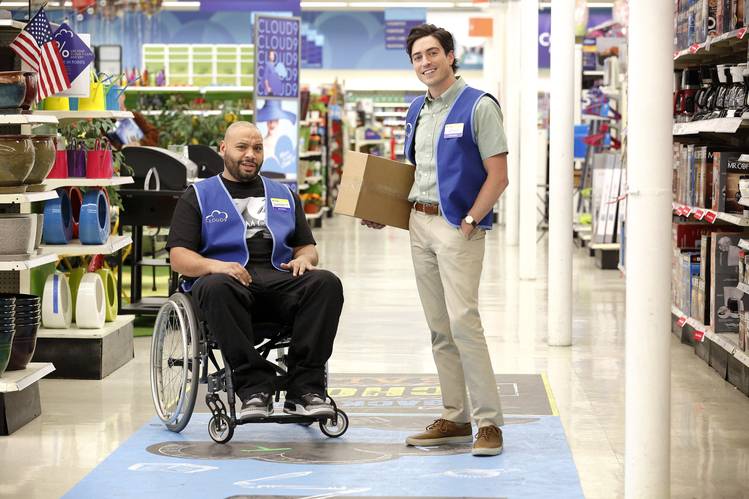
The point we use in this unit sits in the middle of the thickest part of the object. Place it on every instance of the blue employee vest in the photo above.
(460, 170)
(224, 229)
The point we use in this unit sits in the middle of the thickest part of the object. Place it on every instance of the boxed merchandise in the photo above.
(695, 299)
(726, 300)
(705, 264)
(690, 267)
(743, 330)
(376, 189)
(727, 173)
(703, 307)
(686, 235)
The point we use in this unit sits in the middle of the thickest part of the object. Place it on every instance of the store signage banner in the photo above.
(75, 53)
(277, 56)
(251, 6)
(596, 17)
(398, 23)
(277, 121)
(80, 85)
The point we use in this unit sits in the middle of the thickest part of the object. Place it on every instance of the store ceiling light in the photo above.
(444, 5)
(174, 5)
(311, 5)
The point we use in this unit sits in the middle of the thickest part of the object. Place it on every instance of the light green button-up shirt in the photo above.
(487, 128)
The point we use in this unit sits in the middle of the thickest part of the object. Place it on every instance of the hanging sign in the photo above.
(76, 55)
(277, 56)
(399, 23)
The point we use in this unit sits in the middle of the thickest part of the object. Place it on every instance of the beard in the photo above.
(235, 168)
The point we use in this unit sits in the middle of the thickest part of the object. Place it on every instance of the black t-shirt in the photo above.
(249, 198)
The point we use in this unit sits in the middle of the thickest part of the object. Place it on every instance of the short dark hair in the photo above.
(442, 35)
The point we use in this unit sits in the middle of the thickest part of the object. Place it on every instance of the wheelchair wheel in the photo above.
(334, 428)
(220, 428)
(175, 365)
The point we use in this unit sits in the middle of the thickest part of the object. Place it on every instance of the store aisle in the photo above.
(383, 331)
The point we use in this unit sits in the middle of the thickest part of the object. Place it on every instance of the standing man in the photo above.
(455, 138)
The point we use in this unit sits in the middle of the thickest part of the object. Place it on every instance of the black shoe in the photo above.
(309, 404)
(258, 405)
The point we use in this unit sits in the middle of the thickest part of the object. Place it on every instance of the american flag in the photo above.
(36, 47)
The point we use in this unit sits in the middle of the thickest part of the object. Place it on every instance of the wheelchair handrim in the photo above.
(165, 315)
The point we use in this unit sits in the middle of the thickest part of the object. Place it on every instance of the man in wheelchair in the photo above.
(243, 245)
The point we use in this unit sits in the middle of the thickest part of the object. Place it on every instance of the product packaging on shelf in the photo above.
(705, 262)
(686, 235)
(743, 329)
(727, 301)
(727, 173)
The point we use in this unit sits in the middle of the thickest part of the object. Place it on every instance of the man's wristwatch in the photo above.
(470, 221)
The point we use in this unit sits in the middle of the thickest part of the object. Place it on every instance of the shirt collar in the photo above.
(450, 93)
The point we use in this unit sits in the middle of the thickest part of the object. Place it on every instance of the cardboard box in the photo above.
(743, 330)
(376, 189)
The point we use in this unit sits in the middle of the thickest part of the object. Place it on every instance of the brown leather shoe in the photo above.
(488, 441)
(442, 431)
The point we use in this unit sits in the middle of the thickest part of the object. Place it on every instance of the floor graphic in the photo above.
(370, 460)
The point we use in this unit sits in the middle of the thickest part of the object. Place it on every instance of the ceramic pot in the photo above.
(31, 89)
(6, 342)
(16, 159)
(24, 344)
(45, 153)
(12, 89)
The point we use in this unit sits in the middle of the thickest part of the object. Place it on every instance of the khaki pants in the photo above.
(448, 271)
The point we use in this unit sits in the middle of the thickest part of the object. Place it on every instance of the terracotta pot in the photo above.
(31, 89)
(16, 159)
(12, 89)
(44, 158)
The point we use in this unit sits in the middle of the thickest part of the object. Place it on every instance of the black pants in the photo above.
(312, 301)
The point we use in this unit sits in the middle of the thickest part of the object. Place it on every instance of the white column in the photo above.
(494, 69)
(511, 108)
(560, 172)
(528, 138)
(648, 320)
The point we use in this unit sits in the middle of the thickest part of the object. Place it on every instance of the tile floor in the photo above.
(383, 330)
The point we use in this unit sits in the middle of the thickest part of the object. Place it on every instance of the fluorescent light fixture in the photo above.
(308, 5)
(173, 5)
(14, 4)
(409, 5)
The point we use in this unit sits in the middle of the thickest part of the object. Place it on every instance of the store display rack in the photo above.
(19, 396)
(721, 351)
(710, 216)
(727, 45)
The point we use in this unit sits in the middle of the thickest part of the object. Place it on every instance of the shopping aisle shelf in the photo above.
(19, 396)
(711, 216)
(731, 45)
(729, 125)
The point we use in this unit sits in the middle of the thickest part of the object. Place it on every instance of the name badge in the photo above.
(280, 203)
(453, 130)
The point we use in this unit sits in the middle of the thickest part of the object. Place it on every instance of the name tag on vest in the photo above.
(280, 203)
(453, 130)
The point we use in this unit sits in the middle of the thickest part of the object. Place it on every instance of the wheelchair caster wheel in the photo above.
(334, 428)
(220, 429)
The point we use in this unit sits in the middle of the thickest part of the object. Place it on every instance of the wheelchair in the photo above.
(182, 352)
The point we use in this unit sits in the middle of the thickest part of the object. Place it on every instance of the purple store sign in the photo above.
(277, 56)
(596, 16)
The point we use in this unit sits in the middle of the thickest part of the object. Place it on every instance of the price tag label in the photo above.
(694, 48)
(711, 216)
(741, 34)
(699, 336)
(681, 321)
(699, 213)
